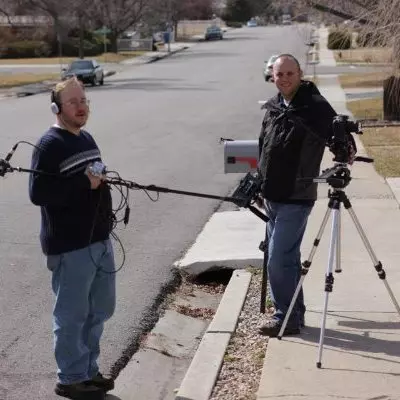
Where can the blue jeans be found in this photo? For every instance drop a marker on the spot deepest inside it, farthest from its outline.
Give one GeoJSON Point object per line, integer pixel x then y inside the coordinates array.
{"type": "Point", "coordinates": [285, 231]}
{"type": "Point", "coordinates": [83, 282]}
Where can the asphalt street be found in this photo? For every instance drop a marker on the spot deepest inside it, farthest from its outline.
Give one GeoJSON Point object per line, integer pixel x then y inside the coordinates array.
{"type": "Point", "coordinates": [156, 124]}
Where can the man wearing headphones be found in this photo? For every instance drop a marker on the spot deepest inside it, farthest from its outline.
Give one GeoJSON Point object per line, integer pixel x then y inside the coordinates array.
{"type": "Point", "coordinates": [76, 221]}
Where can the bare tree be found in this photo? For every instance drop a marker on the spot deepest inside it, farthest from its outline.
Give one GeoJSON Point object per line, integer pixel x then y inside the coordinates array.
{"type": "Point", "coordinates": [6, 8]}
{"type": "Point", "coordinates": [162, 12]}
{"type": "Point", "coordinates": [379, 25]}
{"type": "Point", "coordinates": [119, 15]}
{"type": "Point", "coordinates": [378, 20]}
{"type": "Point", "coordinates": [65, 15]}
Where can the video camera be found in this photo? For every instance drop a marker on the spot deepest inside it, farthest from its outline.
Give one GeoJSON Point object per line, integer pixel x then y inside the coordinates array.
{"type": "Point", "coordinates": [342, 141]}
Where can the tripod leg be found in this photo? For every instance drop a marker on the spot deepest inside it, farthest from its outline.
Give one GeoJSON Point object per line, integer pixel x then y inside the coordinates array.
{"type": "Point", "coordinates": [328, 281]}
{"type": "Point", "coordinates": [338, 268]}
{"type": "Point", "coordinates": [377, 264]}
{"type": "Point", "coordinates": [304, 270]}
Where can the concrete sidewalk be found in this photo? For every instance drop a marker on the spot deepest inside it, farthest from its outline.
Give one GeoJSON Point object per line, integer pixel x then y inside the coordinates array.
{"type": "Point", "coordinates": [360, 358]}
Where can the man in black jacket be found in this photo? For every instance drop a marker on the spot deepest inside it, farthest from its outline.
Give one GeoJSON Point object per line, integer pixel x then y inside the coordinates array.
{"type": "Point", "coordinates": [295, 131]}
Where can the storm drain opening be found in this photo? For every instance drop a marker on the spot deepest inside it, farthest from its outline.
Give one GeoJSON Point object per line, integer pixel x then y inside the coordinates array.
{"type": "Point", "coordinates": [202, 293]}
{"type": "Point", "coordinates": [213, 278]}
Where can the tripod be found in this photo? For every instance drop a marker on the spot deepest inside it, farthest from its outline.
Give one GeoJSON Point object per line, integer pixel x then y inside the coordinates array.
{"type": "Point", "coordinates": [338, 178]}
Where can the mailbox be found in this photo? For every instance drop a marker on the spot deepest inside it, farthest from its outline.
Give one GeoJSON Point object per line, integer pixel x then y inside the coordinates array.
{"type": "Point", "coordinates": [240, 156]}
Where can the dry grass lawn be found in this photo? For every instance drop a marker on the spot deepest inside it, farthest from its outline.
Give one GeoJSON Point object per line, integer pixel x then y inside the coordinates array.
{"type": "Point", "coordinates": [386, 160]}
{"type": "Point", "coordinates": [8, 81]}
{"type": "Point", "coordinates": [364, 55]}
{"type": "Point", "coordinates": [104, 58]}
{"type": "Point", "coordinates": [381, 136]}
{"type": "Point", "coordinates": [383, 145]}
{"type": "Point", "coordinates": [366, 108]}
{"type": "Point", "coordinates": [365, 80]}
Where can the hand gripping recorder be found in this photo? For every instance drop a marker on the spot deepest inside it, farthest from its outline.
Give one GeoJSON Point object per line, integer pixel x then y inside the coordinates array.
{"type": "Point", "coordinates": [97, 169]}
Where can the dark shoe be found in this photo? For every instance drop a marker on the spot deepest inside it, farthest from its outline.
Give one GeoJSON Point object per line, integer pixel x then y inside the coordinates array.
{"type": "Point", "coordinates": [79, 391]}
{"type": "Point", "coordinates": [302, 323]}
{"type": "Point", "coordinates": [273, 326]}
{"type": "Point", "coordinates": [102, 383]}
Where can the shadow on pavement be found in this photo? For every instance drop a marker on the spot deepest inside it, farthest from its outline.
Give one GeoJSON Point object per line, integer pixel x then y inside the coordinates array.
{"type": "Point", "coordinates": [358, 342]}
{"type": "Point", "coordinates": [205, 54]}
{"type": "Point", "coordinates": [239, 38]}
{"type": "Point", "coordinates": [149, 85]}
{"type": "Point", "coordinates": [143, 79]}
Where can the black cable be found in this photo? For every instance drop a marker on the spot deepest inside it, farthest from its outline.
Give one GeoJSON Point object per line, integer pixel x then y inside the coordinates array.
{"type": "Point", "coordinates": [115, 236]}
{"type": "Point", "coordinates": [30, 144]}
{"type": "Point", "coordinates": [112, 234]}
{"type": "Point", "coordinates": [149, 196]}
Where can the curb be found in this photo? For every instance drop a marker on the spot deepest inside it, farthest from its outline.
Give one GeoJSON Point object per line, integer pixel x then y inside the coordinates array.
{"type": "Point", "coordinates": [160, 57]}
{"type": "Point", "coordinates": [42, 87]}
{"type": "Point", "coordinates": [153, 58]}
{"type": "Point", "coordinates": [394, 185]}
{"type": "Point", "coordinates": [203, 371]}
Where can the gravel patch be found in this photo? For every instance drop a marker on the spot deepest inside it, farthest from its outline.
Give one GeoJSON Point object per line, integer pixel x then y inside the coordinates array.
{"type": "Point", "coordinates": [240, 374]}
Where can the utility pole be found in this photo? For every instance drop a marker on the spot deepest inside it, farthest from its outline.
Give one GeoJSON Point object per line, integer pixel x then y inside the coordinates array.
{"type": "Point", "coordinates": [169, 24]}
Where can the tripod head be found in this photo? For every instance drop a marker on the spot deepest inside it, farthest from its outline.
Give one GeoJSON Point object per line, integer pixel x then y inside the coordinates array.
{"type": "Point", "coordinates": [338, 176]}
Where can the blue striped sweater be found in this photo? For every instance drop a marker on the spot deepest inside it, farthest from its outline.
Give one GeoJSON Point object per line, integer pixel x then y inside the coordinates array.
{"type": "Point", "coordinates": [73, 215]}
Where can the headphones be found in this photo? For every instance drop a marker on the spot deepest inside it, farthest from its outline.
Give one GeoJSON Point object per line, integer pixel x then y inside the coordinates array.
{"type": "Point", "coordinates": [55, 105]}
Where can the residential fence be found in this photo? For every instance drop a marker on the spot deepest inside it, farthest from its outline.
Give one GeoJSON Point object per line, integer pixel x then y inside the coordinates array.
{"type": "Point", "coordinates": [187, 28]}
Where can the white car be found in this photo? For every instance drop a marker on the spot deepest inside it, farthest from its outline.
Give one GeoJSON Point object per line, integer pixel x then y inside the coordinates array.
{"type": "Point", "coordinates": [268, 68]}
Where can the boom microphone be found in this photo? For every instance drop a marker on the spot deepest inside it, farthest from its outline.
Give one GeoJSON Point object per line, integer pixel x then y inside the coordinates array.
{"type": "Point", "coordinates": [4, 164]}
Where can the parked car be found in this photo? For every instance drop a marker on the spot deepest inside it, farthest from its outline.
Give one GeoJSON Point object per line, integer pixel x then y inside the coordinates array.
{"type": "Point", "coordinates": [213, 32]}
{"type": "Point", "coordinates": [286, 19]}
{"type": "Point", "coordinates": [87, 71]}
{"type": "Point", "coordinates": [252, 23]}
{"type": "Point", "coordinates": [268, 68]}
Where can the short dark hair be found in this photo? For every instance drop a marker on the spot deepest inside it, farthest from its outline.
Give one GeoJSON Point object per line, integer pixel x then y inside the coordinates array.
{"type": "Point", "coordinates": [292, 57]}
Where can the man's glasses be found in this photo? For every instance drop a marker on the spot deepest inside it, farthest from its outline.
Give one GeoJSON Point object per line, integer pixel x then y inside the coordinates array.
{"type": "Point", "coordinates": [77, 103]}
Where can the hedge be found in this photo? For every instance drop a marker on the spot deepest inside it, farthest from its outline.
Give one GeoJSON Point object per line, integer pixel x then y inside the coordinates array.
{"type": "Point", "coordinates": [339, 40]}
{"type": "Point", "coordinates": [233, 24]}
{"type": "Point", "coordinates": [25, 49]}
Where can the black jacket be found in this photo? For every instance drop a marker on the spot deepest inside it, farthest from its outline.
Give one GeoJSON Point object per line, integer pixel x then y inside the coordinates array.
{"type": "Point", "coordinates": [292, 143]}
